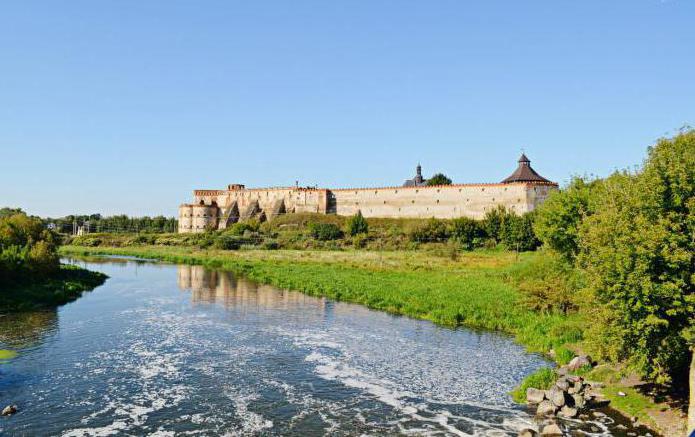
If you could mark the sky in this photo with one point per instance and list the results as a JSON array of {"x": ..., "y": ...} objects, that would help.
[{"x": 127, "y": 106}]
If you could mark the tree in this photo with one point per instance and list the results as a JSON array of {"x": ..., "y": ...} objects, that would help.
[
  {"x": 638, "y": 252},
  {"x": 558, "y": 218},
  {"x": 438, "y": 179},
  {"x": 357, "y": 224},
  {"x": 517, "y": 232},
  {"x": 467, "y": 232}
]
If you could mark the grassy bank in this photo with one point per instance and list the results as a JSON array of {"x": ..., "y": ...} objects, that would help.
[
  {"x": 64, "y": 286},
  {"x": 475, "y": 290}
]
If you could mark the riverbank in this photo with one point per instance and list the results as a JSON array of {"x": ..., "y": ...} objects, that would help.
[
  {"x": 475, "y": 289},
  {"x": 63, "y": 286}
]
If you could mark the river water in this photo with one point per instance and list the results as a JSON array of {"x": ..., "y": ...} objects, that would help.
[{"x": 163, "y": 349}]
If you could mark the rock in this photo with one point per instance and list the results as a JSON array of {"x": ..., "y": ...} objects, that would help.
[
  {"x": 579, "y": 362},
  {"x": 620, "y": 393},
  {"x": 599, "y": 414},
  {"x": 9, "y": 410},
  {"x": 546, "y": 408},
  {"x": 528, "y": 432},
  {"x": 562, "y": 384},
  {"x": 621, "y": 427},
  {"x": 556, "y": 396},
  {"x": 534, "y": 396},
  {"x": 562, "y": 371},
  {"x": 551, "y": 429},
  {"x": 568, "y": 412},
  {"x": 579, "y": 401},
  {"x": 633, "y": 419}
]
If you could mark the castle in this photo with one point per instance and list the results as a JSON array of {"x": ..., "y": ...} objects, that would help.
[{"x": 521, "y": 192}]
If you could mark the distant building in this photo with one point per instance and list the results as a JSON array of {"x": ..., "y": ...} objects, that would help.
[
  {"x": 418, "y": 180},
  {"x": 521, "y": 192}
]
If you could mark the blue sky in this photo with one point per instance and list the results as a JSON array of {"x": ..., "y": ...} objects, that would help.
[{"x": 127, "y": 106}]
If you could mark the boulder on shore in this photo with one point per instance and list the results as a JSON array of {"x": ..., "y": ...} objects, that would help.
[
  {"x": 528, "y": 432},
  {"x": 551, "y": 429},
  {"x": 534, "y": 396},
  {"x": 546, "y": 408},
  {"x": 556, "y": 396},
  {"x": 578, "y": 362}
]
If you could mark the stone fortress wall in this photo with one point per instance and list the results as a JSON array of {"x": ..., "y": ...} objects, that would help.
[{"x": 522, "y": 192}]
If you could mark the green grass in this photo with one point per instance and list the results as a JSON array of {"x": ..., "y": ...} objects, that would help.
[
  {"x": 471, "y": 291},
  {"x": 65, "y": 286},
  {"x": 542, "y": 379}
]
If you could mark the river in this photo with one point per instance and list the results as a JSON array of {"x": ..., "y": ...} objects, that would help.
[{"x": 161, "y": 349}]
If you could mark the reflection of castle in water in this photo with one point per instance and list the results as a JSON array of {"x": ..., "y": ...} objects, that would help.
[{"x": 224, "y": 287}]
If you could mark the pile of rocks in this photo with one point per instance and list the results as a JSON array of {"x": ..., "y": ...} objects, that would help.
[{"x": 568, "y": 398}]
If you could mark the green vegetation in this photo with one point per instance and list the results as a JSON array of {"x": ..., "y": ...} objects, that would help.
[
  {"x": 472, "y": 291},
  {"x": 439, "y": 179},
  {"x": 542, "y": 379},
  {"x": 30, "y": 273},
  {"x": 357, "y": 225},
  {"x": 116, "y": 223}
]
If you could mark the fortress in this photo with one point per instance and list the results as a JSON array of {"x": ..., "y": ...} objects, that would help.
[{"x": 521, "y": 192}]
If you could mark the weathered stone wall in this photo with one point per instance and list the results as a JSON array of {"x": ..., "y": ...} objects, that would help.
[{"x": 445, "y": 201}]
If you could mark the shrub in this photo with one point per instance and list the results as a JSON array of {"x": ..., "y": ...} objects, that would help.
[
  {"x": 467, "y": 232},
  {"x": 430, "y": 231},
  {"x": 357, "y": 224},
  {"x": 517, "y": 232},
  {"x": 228, "y": 242},
  {"x": 551, "y": 284},
  {"x": 325, "y": 231},
  {"x": 494, "y": 222},
  {"x": 242, "y": 227}
]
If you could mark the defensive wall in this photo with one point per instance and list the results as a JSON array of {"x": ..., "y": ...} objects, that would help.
[{"x": 216, "y": 209}]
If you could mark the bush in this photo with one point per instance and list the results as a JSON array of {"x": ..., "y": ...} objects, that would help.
[
  {"x": 430, "y": 231},
  {"x": 494, "y": 221},
  {"x": 467, "y": 232},
  {"x": 27, "y": 250},
  {"x": 517, "y": 232},
  {"x": 325, "y": 231},
  {"x": 357, "y": 224},
  {"x": 242, "y": 227}
]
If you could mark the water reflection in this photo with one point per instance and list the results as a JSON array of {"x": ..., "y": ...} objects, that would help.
[
  {"x": 27, "y": 329},
  {"x": 217, "y": 286}
]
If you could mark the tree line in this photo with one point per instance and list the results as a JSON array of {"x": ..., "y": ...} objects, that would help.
[{"x": 116, "y": 223}]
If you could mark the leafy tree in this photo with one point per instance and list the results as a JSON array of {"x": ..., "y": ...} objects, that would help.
[
  {"x": 494, "y": 221},
  {"x": 559, "y": 217},
  {"x": 357, "y": 224},
  {"x": 517, "y": 232},
  {"x": 439, "y": 179},
  {"x": 468, "y": 232},
  {"x": 638, "y": 251}
]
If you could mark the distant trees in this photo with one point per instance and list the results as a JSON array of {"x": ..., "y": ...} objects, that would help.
[
  {"x": 439, "y": 179},
  {"x": 26, "y": 247},
  {"x": 116, "y": 223}
]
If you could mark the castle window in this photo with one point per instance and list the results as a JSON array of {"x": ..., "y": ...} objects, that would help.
[
  {"x": 459, "y": 190},
  {"x": 417, "y": 191},
  {"x": 438, "y": 200},
  {"x": 437, "y": 190},
  {"x": 412, "y": 201},
  {"x": 375, "y": 193},
  {"x": 395, "y": 192},
  {"x": 493, "y": 199},
  {"x": 482, "y": 189},
  {"x": 384, "y": 202}
]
